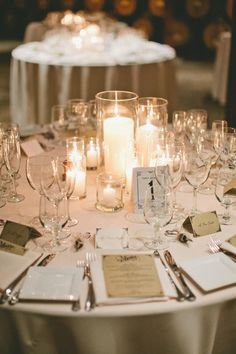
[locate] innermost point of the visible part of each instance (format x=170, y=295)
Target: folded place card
x=230, y=187
x=202, y=224
x=14, y=236
x=11, y=247
x=131, y=275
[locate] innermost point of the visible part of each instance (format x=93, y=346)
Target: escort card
x=131, y=275
x=202, y=224
x=230, y=187
x=18, y=234
x=32, y=147
x=11, y=247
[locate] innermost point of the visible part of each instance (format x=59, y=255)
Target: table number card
x=141, y=178
x=131, y=275
x=202, y=224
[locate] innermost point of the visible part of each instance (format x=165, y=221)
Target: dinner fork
x=90, y=302
x=76, y=304
x=215, y=247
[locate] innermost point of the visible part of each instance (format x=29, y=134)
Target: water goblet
x=225, y=192
x=53, y=218
x=59, y=122
x=157, y=211
x=196, y=172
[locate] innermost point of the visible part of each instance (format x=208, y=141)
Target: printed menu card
x=131, y=275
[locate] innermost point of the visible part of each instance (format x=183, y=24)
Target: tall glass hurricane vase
x=117, y=114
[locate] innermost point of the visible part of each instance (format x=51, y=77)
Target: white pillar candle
x=109, y=196
x=146, y=139
x=80, y=184
x=79, y=173
x=118, y=144
x=92, y=157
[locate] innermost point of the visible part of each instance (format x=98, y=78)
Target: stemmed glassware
x=196, y=124
x=12, y=157
x=34, y=165
x=196, y=171
x=56, y=182
x=225, y=192
x=77, y=112
x=157, y=211
x=179, y=123
x=59, y=121
x=53, y=217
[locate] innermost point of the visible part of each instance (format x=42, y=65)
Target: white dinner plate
x=211, y=272
x=48, y=283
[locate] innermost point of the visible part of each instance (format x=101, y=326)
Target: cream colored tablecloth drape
x=43, y=74
x=206, y=326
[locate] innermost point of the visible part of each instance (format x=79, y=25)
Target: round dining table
x=204, y=326
x=52, y=70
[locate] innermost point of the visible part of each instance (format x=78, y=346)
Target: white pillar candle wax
x=109, y=196
x=146, y=139
x=118, y=144
x=80, y=184
x=92, y=157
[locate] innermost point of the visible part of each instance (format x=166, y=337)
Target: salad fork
x=90, y=302
x=215, y=247
x=76, y=304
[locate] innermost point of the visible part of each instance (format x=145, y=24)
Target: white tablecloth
x=41, y=76
x=206, y=326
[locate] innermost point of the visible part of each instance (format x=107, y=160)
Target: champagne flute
x=53, y=218
x=76, y=110
x=157, y=211
x=12, y=157
x=34, y=165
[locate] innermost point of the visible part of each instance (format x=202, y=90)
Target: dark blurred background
x=192, y=27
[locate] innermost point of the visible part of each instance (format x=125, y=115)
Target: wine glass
x=76, y=110
x=56, y=182
x=53, y=218
x=12, y=157
x=225, y=192
x=196, y=124
x=157, y=211
x=59, y=121
x=34, y=165
x=196, y=172
x=178, y=123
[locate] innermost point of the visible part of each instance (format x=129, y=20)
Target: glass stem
x=194, y=199
x=226, y=216
x=68, y=208
x=14, y=185
x=157, y=233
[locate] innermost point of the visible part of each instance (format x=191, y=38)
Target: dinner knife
x=8, y=291
x=15, y=297
x=170, y=260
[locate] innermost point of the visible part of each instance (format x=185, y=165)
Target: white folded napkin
x=228, y=247
x=12, y=265
x=101, y=294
